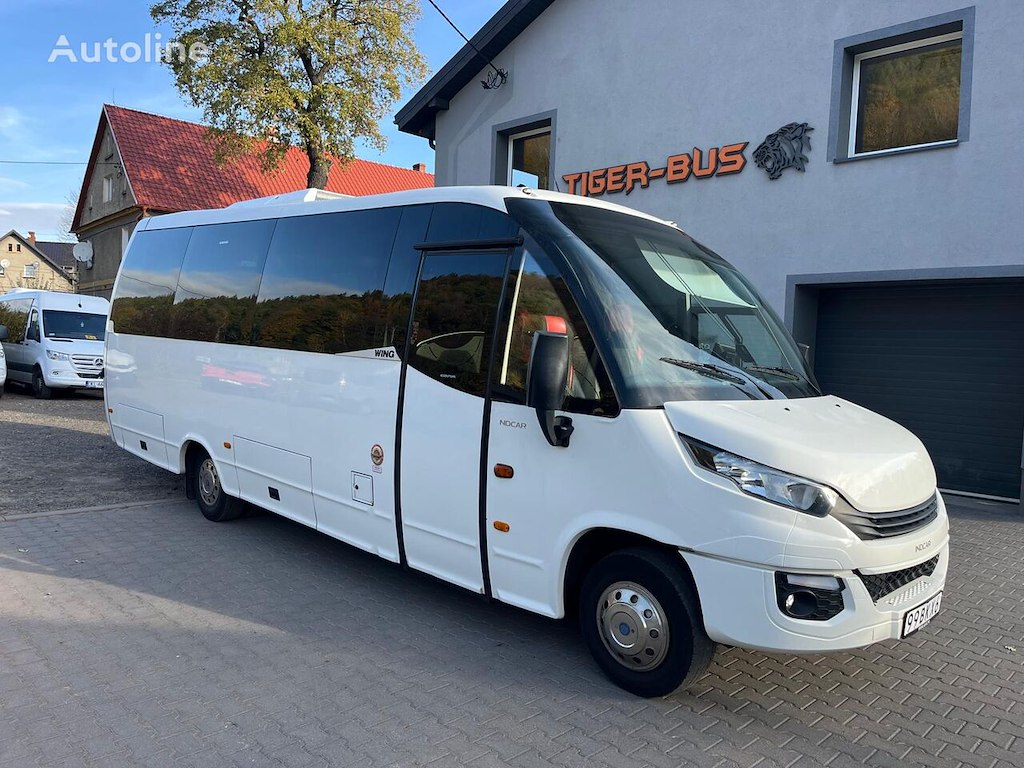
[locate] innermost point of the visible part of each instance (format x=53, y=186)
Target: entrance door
x=448, y=361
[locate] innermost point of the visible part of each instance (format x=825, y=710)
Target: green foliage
x=318, y=74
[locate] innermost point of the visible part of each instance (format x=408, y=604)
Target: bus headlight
x=770, y=484
x=58, y=355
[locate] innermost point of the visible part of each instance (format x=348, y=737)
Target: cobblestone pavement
x=65, y=458
x=150, y=637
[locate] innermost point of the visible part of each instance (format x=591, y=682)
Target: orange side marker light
x=503, y=471
x=501, y=526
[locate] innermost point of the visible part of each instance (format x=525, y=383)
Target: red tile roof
x=171, y=167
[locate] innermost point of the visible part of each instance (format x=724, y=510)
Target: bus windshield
x=679, y=322
x=58, y=324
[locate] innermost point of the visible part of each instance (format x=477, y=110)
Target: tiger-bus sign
x=780, y=149
x=699, y=164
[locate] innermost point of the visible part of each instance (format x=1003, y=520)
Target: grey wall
x=643, y=80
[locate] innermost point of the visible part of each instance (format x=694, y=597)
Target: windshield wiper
x=707, y=369
x=788, y=373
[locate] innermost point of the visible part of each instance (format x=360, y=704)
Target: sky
x=49, y=110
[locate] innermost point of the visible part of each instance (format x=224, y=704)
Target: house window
x=3, y=270
x=18, y=247
x=524, y=152
x=906, y=95
x=30, y=271
x=903, y=88
x=529, y=159
x=10, y=247
x=108, y=188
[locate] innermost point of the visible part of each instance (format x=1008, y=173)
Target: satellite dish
x=82, y=251
x=5, y=263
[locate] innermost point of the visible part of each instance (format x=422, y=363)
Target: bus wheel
x=641, y=619
x=214, y=502
x=39, y=388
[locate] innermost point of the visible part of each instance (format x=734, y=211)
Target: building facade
x=23, y=264
x=856, y=160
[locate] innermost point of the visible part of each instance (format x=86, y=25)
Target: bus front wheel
x=213, y=500
x=640, y=617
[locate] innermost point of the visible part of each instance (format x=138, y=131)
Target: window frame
x=501, y=145
x=512, y=137
x=108, y=188
x=911, y=34
x=858, y=59
x=30, y=271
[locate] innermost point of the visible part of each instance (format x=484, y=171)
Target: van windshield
x=678, y=321
x=59, y=324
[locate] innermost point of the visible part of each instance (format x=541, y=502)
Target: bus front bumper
x=742, y=606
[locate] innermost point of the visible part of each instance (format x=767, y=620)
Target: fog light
x=801, y=604
x=809, y=597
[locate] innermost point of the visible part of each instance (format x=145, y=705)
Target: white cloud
x=41, y=218
x=9, y=183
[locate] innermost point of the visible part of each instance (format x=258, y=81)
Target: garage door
x=945, y=360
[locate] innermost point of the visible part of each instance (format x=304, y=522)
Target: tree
x=318, y=74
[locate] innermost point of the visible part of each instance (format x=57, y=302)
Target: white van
x=55, y=340
x=556, y=402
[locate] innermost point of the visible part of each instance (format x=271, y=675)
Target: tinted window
x=401, y=279
x=539, y=300
x=322, y=288
x=460, y=222
x=219, y=279
x=149, y=275
x=454, y=317
x=14, y=314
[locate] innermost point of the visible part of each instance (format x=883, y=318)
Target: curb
x=78, y=510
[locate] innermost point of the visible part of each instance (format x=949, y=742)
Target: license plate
x=918, y=617
x=95, y=384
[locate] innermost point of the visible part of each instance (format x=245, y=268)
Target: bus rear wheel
x=640, y=617
x=213, y=500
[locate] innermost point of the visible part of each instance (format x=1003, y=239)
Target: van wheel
x=641, y=619
x=214, y=502
x=39, y=388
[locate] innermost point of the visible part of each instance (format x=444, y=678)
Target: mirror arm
x=557, y=429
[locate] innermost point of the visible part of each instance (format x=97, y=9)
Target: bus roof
x=308, y=203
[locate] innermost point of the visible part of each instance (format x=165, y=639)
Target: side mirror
x=3, y=332
x=546, y=382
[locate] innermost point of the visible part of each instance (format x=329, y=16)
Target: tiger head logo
x=784, y=149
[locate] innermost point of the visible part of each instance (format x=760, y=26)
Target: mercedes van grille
x=89, y=366
x=881, y=584
x=882, y=525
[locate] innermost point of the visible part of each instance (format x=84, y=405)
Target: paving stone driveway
x=148, y=636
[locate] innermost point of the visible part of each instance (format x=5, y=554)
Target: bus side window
x=149, y=277
x=216, y=295
x=537, y=299
x=322, y=288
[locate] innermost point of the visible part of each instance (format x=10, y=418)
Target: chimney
x=32, y=237
x=421, y=167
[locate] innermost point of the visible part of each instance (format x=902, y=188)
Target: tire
x=640, y=617
x=39, y=388
x=215, y=504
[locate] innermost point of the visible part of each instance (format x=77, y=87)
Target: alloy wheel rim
x=633, y=626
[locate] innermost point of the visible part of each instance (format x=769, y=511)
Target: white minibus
x=55, y=339
x=553, y=401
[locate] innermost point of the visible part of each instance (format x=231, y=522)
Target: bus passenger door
x=446, y=366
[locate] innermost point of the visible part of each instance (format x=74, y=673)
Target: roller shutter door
x=946, y=360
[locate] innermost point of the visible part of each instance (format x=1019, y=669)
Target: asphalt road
x=57, y=454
